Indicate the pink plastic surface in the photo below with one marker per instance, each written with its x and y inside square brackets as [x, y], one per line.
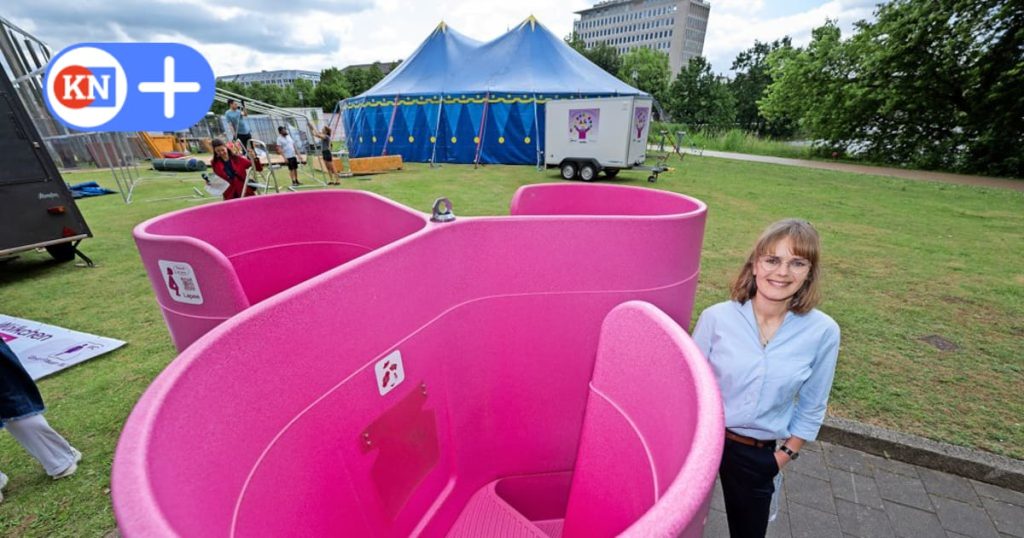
[272, 424]
[246, 252]
[653, 422]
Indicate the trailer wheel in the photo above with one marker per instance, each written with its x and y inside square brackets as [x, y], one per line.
[568, 170]
[588, 172]
[63, 252]
[652, 179]
[611, 172]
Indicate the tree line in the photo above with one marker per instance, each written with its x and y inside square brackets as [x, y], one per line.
[335, 85]
[933, 84]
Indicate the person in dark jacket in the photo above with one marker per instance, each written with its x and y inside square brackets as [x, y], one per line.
[21, 413]
[231, 167]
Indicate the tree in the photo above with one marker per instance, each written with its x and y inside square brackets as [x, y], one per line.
[699, 97]
[647, 70]
[927, 84]
[360, 79]
[236, 87]
[749, 84]
[603, 55]
[817, 86]
[297, 94]
[606, 57]
[330, 90]
[576, 42]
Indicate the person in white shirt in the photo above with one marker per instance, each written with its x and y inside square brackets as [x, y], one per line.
[287, 149]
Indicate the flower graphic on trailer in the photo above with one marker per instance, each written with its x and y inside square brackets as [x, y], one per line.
[640, 116]
[584, 124]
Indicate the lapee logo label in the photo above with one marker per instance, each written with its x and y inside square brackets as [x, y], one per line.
[129, 86]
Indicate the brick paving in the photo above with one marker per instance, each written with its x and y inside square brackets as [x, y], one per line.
[834, 491]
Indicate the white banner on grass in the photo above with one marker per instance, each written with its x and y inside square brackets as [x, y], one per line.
[44, 349]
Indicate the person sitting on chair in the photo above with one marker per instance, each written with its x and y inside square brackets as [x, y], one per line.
[231, 167]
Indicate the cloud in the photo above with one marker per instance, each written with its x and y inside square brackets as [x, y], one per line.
[262, 25]
[239, 36]
[733, 26]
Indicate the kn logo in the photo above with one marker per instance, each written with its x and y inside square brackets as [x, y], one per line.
[129, 86]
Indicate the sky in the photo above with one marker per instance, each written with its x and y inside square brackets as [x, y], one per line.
[253, 35]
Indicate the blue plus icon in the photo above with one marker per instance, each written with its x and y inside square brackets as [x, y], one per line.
[169, 87]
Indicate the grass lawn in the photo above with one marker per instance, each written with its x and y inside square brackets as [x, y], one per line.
[903, 260]
[733, 140]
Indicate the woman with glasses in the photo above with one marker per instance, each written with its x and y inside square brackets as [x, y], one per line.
[774, 356]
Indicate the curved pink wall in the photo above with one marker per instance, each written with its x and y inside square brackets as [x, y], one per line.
[249, 251]
[272, 423]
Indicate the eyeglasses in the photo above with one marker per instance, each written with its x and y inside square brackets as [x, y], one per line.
[795, 265]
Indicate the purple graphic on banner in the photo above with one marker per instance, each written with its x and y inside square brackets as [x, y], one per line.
[640, 116]
[583, 124]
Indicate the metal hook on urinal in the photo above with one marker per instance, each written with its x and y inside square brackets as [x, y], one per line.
[442, 211]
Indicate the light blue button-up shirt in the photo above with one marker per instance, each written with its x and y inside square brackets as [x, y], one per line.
[776, 391]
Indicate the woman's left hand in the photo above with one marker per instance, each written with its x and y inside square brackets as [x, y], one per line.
[781, 459]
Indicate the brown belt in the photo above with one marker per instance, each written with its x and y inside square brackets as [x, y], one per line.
[749, 441]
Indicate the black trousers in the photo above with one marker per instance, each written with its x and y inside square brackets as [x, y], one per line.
[747, 475]
[244, 139]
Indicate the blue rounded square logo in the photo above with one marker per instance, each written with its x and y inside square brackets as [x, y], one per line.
[128, 86]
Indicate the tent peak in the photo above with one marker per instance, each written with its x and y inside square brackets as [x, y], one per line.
[441, 27]
[532, 21]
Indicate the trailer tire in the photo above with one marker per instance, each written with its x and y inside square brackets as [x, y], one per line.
[63, 252]
[568, 170]
[611, 172]
[588, 172]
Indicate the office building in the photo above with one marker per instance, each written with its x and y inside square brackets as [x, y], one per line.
[283, 78]
[674, 27]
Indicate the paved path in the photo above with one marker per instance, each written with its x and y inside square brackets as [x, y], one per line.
[922, 175]
[834, 491]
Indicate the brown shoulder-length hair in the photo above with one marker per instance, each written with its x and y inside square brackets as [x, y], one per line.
[806, 244]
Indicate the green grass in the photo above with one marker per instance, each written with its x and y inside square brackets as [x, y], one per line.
[732, 140]
[902, 260]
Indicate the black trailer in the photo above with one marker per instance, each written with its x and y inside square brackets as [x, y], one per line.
[36, 206]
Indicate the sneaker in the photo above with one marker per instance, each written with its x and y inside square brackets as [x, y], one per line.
[71, 468]
[3, 484]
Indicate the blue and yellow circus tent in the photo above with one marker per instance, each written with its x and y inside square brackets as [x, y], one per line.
[456, 100]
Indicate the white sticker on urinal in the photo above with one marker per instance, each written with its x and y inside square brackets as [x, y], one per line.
[390, 372]
[182, 284]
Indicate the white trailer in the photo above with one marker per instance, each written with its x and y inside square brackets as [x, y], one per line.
[584, 137]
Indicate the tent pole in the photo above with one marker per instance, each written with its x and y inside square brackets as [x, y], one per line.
[391, 125]
[483, 122]
[437, 130]
[335, 120]
[536, 135]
